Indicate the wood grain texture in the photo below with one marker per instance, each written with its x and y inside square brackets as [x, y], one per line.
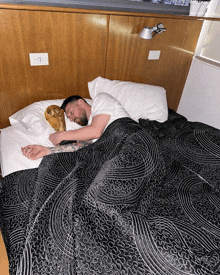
[4, 270]
[82, 46]
[127, 57]
[75, 43]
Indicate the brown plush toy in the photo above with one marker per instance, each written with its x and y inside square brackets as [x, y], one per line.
[55, 116]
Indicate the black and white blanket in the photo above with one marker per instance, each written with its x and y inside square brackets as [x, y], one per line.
[143, 199]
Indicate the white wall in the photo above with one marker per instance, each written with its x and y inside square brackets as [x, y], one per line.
[211, 47]
[201, 98]
[201, 95]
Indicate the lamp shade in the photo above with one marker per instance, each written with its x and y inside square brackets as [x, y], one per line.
[146, 33]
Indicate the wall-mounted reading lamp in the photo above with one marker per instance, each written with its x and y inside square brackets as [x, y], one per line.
[148, 33]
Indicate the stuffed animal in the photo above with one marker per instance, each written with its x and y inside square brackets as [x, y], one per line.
[55, 116]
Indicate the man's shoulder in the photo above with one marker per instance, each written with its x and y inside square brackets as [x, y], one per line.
[104, 96]
[104, 102]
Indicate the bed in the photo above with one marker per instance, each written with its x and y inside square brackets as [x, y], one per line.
[143, 199]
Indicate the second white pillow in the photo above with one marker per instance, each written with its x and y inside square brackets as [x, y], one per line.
[139, 100]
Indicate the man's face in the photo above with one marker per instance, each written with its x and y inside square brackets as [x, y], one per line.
[76, 114]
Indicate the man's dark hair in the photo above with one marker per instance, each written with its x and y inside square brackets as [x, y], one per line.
[70, 99]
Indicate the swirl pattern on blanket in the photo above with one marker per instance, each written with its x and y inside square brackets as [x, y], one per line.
[133, 202]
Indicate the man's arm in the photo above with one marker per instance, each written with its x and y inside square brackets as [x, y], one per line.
[34, 152]
[72, 147]
[92, 131]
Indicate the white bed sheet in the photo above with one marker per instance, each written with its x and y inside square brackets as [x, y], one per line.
[12, 139]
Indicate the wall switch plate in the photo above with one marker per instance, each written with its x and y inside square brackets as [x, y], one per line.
[154, 55]
[39, 59]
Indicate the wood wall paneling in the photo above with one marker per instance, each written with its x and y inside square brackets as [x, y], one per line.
[84, 46]
[127, 56]
[3, 258]
[76, 44]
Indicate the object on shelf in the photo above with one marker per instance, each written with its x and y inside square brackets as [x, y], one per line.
[198, 8]
[173, 2]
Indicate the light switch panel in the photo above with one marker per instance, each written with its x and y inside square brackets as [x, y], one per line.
[154, 55]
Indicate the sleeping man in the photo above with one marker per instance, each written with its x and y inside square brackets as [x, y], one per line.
[104, 110]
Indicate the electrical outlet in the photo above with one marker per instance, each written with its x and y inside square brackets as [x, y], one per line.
[39, 59]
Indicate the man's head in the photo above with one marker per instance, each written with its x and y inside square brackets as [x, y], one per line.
[77, 109]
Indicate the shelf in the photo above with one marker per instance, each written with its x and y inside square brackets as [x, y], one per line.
[155, 12]
[108, 5]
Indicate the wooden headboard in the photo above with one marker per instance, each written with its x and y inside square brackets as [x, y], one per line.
[84, 44]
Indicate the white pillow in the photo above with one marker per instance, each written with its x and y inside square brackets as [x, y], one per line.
[139, 100]
[32, 117]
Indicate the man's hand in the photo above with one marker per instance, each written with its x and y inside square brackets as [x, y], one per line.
[34, 152]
